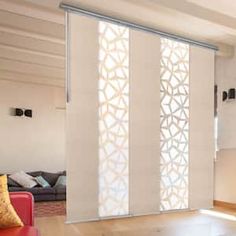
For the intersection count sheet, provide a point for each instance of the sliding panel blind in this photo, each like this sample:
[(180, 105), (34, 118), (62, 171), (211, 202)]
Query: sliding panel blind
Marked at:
[(174, 120), (139, 122), (113, 119), (82, 120), (201, 138), (144, 129)]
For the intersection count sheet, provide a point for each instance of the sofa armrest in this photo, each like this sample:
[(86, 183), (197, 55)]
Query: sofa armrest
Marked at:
[(23, 202)]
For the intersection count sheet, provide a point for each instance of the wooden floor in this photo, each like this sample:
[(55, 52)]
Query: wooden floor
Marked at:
[(171, 224)]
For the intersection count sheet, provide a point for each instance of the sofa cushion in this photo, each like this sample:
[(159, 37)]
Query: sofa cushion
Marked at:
[(34, 191), (42, 182), (23, 179), (12, 183), (44, 197), (41, 190), (60, 190), (17, 189), (61, 181), (60, 197), (35, 173), (51, 178)]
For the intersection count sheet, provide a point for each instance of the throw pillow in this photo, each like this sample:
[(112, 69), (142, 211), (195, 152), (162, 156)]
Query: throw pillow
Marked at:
[(23, 179), (61, 181), (12, 183), (42, 182), (51, 178), (34, 173), (8, 215)]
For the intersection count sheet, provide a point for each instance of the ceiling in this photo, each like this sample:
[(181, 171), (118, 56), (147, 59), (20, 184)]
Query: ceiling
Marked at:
[(227, 7), (32, 40)]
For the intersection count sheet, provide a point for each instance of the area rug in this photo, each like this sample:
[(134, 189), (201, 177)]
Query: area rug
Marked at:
[(45, 209)]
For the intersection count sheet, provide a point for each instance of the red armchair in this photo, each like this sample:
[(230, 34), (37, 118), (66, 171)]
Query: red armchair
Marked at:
[(24, 206)]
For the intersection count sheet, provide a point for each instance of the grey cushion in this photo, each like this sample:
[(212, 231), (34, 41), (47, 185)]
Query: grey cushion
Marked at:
[(42, 182), (35, 173), (44, 197), (12, 183), (61, 181), (51, 178), (41, 190), (60, 190), (16, 189), (60, 197), (34, 191)]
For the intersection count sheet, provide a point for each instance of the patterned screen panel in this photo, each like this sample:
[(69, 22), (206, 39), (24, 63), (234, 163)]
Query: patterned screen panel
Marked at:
[(174, 124), (113, 119)]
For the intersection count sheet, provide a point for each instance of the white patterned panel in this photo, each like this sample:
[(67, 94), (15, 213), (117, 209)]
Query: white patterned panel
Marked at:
[(113, 119), (174, 124)]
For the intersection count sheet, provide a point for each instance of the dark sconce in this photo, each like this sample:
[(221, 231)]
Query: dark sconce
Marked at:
[(230, 95), (28, 113), (224, 96), (21, 112)]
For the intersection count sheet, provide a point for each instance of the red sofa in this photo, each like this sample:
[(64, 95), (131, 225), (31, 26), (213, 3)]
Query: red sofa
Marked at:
[(24, 206)]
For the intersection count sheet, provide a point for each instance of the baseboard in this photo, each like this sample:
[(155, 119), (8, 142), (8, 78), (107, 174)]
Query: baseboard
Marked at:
[(225, 204)]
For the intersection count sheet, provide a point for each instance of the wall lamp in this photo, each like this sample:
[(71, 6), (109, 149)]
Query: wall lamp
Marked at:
[(230, 95), (21, 112)]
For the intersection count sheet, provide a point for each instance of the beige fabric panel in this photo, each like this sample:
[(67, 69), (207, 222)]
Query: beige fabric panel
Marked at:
[(144, 128), (201, 146), (82, 120)]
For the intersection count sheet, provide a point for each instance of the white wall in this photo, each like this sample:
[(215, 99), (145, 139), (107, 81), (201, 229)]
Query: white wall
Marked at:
[(225, 176), (225, 165), (31, 143), (225, 79)]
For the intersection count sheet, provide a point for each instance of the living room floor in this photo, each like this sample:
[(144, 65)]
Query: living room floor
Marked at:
[(193, 223), (49, 208)]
